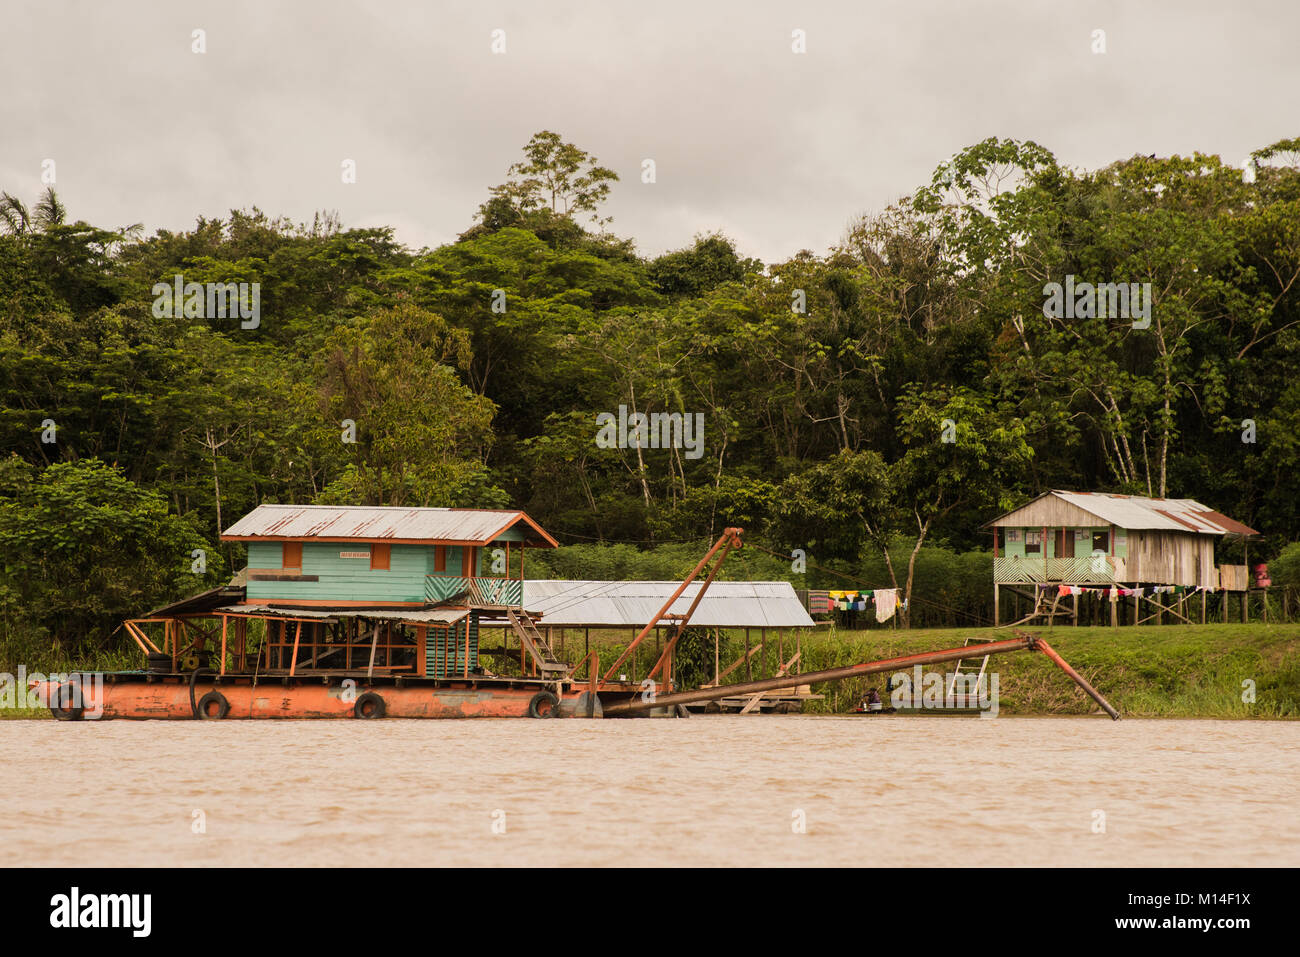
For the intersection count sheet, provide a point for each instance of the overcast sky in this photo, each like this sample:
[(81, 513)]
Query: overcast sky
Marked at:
[(777, 149)]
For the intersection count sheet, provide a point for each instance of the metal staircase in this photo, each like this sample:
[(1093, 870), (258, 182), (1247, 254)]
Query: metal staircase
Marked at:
[(537, 646)]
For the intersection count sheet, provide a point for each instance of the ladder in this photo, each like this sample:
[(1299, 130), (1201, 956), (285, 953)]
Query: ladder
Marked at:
[(966, 666), (532, 639)]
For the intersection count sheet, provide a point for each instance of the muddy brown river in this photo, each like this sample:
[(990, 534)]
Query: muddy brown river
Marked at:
[(790, 790)]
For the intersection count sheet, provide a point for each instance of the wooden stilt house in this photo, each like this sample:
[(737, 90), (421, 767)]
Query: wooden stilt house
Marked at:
[(1093, 539)]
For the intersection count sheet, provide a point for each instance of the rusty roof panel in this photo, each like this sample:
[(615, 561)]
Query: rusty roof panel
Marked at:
[(379, 523)]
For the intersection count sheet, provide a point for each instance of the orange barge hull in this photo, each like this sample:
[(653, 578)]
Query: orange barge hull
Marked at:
[(170, 698)]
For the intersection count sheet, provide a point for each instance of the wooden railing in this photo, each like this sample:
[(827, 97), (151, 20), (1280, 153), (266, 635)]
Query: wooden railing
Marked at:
[(1103, 568), (477, 591)]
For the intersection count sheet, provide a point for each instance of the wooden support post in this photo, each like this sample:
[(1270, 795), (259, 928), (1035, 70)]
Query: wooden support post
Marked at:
[(297, 637), (762, 637), (374, 642), (716, 662), (1136, 601), (1245, 602), (1202, 606), (997, 611), (749, 675), (1114, 608), (1075, 612)]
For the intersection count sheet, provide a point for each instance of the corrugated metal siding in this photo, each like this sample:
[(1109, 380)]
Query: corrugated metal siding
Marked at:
[(327, 521), (445, 649), (725, 604)]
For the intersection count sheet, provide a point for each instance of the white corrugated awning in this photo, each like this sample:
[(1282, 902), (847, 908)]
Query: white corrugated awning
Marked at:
[(633, 604)]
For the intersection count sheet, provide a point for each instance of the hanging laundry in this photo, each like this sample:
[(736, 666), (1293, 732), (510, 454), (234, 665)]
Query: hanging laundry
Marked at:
[(886, 602)]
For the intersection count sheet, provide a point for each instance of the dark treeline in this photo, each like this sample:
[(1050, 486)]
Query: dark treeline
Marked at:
[(893, 393)]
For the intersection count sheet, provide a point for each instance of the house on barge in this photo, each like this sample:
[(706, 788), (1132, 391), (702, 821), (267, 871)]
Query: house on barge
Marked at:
[(1114, 547), (426, 576), (337, 597)]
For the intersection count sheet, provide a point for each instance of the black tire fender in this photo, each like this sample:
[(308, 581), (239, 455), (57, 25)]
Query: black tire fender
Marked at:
[(543, 705), (371, 704), (66, 703), (223, 706)]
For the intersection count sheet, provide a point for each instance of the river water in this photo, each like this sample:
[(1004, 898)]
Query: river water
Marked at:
[(711, 790)]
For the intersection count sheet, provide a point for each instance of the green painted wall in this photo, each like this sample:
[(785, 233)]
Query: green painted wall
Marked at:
[(351, 579), (1082, 547), (341, 579)]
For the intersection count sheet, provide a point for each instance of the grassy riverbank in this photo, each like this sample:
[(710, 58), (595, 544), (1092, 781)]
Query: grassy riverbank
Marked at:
[(1172, 671)]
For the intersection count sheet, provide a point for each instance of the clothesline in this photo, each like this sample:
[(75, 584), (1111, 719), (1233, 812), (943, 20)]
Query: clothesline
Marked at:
[(1115, 591), (885, 601)]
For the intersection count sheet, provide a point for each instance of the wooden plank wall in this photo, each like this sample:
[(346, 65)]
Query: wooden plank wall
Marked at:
[(1170, 558)]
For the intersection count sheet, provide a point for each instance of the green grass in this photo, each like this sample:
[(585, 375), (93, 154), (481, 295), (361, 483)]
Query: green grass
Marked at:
[(1169, 671)]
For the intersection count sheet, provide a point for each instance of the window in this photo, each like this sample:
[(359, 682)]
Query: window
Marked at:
[(379, 556), (292, 555), (1101, 542), (440, 558), (1033, 542)]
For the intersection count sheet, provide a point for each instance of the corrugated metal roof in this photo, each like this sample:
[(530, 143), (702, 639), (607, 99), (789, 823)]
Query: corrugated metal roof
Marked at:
[(1159, 514), (425, 616), (633, 604), (471, 526), (201, 603)]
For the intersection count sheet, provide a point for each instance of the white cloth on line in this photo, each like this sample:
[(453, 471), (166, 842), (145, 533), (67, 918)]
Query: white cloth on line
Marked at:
[(886, 602)]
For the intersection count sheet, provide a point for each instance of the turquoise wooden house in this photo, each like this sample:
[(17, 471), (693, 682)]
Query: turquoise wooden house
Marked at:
[(332, 581)]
